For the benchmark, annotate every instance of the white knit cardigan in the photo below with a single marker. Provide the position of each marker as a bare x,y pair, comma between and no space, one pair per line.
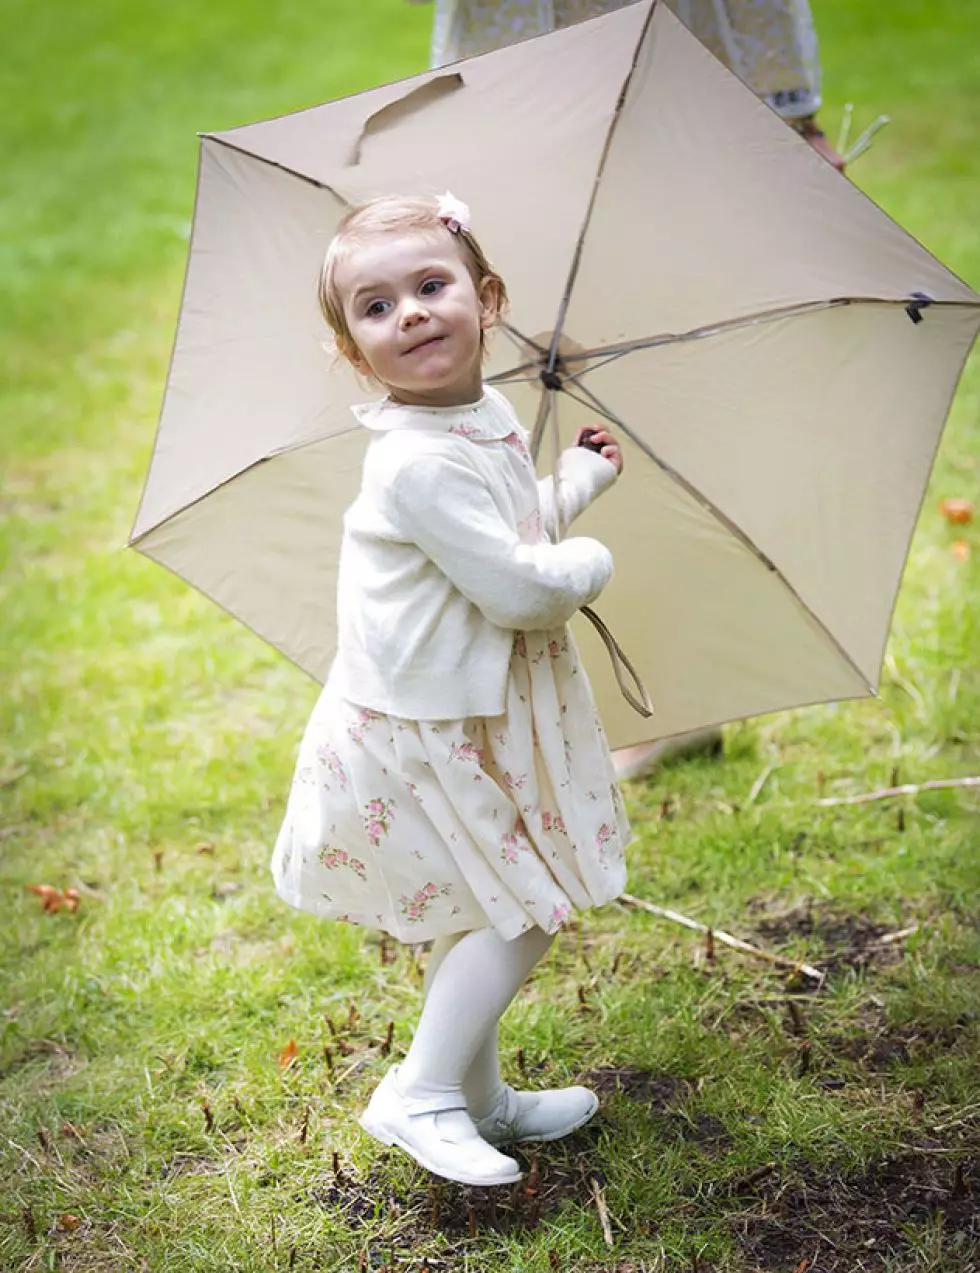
434,577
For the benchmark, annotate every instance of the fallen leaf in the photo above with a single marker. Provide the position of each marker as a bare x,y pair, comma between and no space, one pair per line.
960,549
958,512
53,900
68,1221
288,1055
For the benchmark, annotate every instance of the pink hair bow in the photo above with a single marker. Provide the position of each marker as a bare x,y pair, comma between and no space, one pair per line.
454,213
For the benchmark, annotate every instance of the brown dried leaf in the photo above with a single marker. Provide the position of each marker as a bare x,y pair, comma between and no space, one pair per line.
68,1222
288,1055
958,512
960,549
53,900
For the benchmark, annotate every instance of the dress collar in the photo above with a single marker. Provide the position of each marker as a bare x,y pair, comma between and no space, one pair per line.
489,419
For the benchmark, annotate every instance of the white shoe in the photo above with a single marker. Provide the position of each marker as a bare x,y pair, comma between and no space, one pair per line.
438,1133
545,1115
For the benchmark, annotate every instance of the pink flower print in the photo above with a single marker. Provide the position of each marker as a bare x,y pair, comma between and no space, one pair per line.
520,645
334,858
414,907
466,751
558,647
413,790
560,914
511,847
334,766
529,529
516,443
463,430
377,819
365,719
553,822
514,783
603,836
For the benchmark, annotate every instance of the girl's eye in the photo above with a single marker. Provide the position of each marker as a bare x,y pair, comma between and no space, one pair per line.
431,286
376,308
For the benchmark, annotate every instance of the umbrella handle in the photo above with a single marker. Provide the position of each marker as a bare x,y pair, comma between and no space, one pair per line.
620,660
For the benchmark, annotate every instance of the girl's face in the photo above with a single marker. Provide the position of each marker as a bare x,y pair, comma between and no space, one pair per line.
416,317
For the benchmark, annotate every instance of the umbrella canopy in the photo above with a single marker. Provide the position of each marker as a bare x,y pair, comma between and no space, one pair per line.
778,355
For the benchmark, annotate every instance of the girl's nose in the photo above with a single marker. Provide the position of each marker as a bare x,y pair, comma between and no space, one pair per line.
413,313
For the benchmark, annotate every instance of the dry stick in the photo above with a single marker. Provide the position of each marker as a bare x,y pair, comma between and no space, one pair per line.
719,934
759,783
889,939
907,789
603,1210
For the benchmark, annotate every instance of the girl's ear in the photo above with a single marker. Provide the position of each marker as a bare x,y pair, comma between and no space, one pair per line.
350,351
490,299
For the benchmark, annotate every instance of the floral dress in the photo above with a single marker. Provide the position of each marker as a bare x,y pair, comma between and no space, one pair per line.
426,828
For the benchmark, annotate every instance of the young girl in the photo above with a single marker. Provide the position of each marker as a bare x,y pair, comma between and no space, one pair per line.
453,782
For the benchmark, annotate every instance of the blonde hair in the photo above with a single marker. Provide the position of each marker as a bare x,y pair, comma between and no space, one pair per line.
395,214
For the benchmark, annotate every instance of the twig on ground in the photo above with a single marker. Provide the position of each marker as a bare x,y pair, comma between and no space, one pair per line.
906,789
759,783
719,934
600,1206
889,939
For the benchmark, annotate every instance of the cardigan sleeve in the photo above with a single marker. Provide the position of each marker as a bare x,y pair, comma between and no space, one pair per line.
582,477
444,507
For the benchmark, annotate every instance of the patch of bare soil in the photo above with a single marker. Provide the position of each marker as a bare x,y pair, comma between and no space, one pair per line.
460,1211
666,1097
901,1209
837,940
880,1046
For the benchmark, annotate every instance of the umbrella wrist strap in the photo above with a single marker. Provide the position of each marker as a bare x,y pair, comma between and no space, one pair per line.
620,661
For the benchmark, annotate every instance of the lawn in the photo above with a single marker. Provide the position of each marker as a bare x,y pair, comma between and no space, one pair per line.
181,1058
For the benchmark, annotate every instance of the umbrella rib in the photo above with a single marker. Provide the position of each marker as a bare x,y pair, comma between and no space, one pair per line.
501,377
504,379
609,353
135,540
271,163
726,521
607,146
520,340
594,405
540,421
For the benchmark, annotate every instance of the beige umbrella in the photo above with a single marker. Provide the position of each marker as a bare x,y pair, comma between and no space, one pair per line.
777,354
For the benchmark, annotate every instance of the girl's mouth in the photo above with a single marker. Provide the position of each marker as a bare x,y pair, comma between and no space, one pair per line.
423,344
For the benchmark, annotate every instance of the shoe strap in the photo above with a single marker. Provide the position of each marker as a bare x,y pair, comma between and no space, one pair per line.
441,1103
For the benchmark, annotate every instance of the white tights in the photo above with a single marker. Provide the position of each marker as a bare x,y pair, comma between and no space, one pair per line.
469,981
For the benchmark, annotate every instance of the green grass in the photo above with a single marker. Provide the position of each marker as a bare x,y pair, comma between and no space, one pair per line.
146,745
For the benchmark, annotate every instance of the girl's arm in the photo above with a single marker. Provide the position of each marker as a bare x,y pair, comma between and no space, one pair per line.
582,477
444,507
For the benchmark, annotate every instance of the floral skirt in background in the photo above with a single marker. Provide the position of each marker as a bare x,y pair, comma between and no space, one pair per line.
426,828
